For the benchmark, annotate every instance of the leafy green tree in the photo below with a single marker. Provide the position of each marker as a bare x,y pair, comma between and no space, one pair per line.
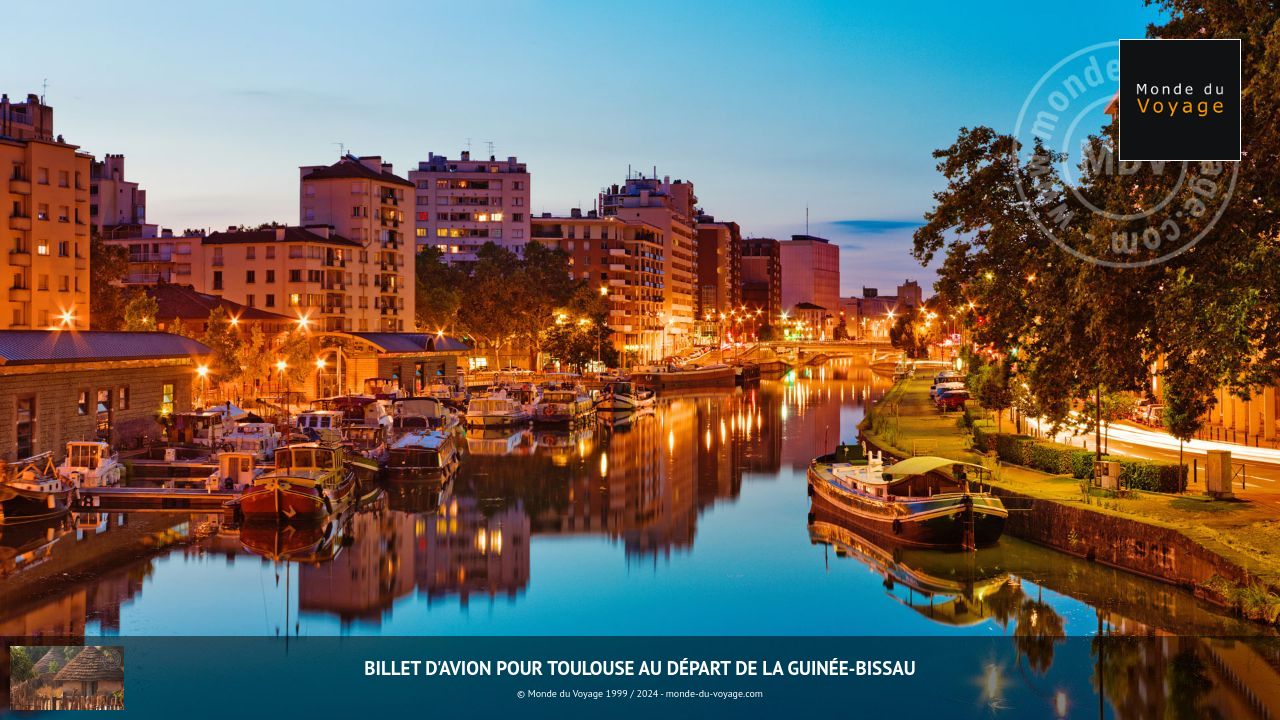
140,310
108,265
990,386
20,663
225,342
438,294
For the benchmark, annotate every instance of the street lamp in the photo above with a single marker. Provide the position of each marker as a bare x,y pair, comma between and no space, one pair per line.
280,368
203,372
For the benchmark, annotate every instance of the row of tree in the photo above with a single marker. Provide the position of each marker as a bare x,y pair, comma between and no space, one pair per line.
1207,318
515,305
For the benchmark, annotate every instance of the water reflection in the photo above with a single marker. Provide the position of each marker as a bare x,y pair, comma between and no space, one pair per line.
638,527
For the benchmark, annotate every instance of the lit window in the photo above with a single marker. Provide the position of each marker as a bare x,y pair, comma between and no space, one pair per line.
295,299
496,217
42,247
442,232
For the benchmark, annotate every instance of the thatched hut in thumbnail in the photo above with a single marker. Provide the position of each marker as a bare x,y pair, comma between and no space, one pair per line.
93,671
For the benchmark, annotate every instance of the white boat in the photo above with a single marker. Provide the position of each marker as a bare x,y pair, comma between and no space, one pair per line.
422,454
621,397
259,439
90,463
563,404
496,408
236,472
315,423
446,392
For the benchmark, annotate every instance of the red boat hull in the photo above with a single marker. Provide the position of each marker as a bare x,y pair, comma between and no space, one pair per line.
288,501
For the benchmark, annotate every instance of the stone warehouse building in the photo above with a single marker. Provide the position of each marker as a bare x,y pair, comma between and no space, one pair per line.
57,386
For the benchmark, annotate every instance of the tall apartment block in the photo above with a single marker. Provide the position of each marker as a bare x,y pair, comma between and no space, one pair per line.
762,277
45,200
624,260
719,267
670,207
117,207
810,273
363,201
463,204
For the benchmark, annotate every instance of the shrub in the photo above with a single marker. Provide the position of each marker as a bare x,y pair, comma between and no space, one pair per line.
1049,457
1150,475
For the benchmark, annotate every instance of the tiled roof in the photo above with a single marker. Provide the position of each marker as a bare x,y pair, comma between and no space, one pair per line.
184,303
411,342
27,347
350,167
266,235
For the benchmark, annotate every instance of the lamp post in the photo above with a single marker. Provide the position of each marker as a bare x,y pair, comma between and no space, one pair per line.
280,368
203,372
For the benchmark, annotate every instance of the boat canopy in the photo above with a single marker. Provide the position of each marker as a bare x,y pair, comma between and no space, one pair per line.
923,465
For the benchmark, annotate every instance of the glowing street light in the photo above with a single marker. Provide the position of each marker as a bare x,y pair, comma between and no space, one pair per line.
67,317
320,363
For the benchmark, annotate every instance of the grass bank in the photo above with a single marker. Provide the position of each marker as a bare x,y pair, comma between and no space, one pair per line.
1227,550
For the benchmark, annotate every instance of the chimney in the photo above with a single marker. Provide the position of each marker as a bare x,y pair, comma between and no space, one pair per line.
466,154
279,234
575,213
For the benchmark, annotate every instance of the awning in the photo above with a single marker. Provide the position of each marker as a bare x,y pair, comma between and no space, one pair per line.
923,465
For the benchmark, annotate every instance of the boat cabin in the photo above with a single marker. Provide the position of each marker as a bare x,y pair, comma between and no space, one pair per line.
320,420
90,463
235,471
258,438
363,438
201,427
309,456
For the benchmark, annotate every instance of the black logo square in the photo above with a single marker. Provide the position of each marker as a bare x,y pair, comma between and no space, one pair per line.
1179,100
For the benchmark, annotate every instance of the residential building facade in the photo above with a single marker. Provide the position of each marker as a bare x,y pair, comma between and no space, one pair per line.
462,204
115,202
624,260
364,202
669,207
719,267
45,200
762,277
810,273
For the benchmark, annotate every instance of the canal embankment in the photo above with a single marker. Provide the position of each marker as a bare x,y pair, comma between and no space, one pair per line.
1227,551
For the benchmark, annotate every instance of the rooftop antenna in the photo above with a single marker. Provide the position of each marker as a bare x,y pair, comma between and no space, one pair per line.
806,219
44,88
468,144
342,149
490,144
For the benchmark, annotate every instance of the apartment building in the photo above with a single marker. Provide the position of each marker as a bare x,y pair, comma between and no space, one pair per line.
623,259
45,200
810,273
669,207
762,277
363,202
719,267
161,257
323,280
117,207
462,204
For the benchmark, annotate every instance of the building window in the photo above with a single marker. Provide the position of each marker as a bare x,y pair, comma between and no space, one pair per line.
249,301
248,276
271,255
122,397
271,274
82,402
217,279
166,399
250,253
271,300
295,276
104,413
26,427
42,247
295,299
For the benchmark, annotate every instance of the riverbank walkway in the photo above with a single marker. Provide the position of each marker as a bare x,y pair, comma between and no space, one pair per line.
1244,531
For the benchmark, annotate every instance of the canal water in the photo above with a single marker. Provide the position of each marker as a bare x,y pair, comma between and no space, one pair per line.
692,520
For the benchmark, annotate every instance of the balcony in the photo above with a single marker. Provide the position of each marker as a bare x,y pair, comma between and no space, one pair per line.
19,258
19,222
147,278
145,257
18,186
19,294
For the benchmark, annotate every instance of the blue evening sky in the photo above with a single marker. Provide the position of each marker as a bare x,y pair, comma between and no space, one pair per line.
768,107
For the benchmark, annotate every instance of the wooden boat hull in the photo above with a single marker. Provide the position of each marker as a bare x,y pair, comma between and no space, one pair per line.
497,420
276,497
939,522
19,505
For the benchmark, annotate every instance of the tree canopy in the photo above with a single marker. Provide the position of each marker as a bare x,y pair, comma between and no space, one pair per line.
1203,319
